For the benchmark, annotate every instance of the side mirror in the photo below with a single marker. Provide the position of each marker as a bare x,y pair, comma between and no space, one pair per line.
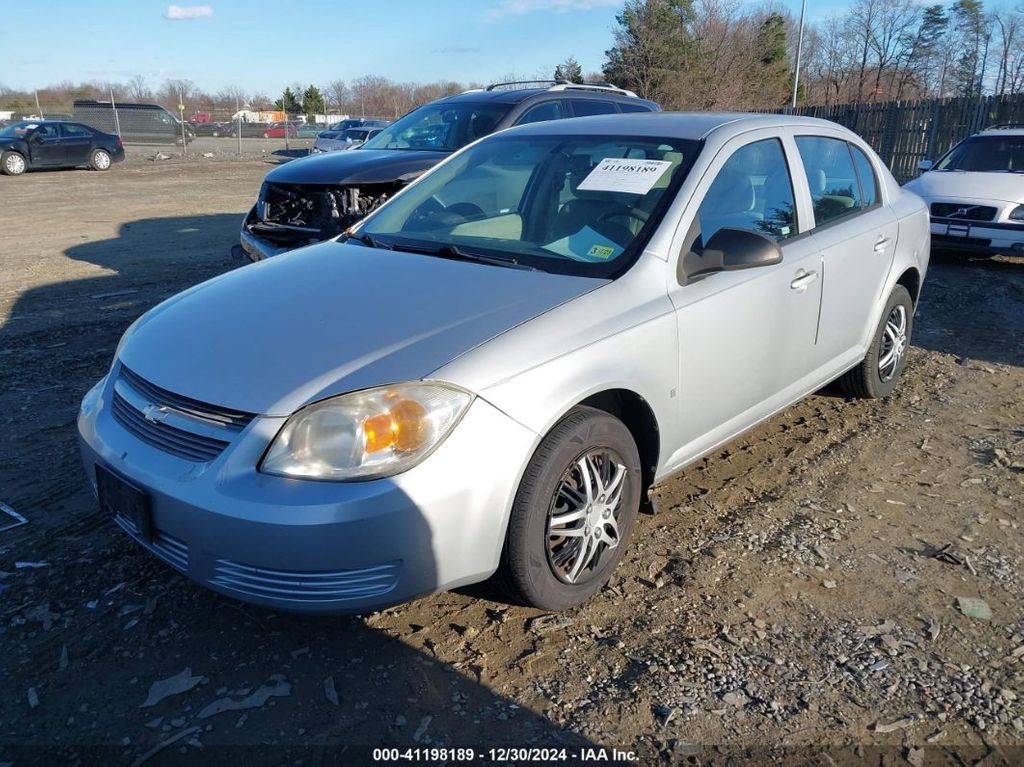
729,250
36,138
925,165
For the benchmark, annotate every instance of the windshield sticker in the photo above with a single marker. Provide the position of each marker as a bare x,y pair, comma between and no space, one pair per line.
586,245
629,176
30,126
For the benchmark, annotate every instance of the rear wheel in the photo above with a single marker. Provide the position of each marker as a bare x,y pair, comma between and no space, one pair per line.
13,163
99,160
573,515
877,374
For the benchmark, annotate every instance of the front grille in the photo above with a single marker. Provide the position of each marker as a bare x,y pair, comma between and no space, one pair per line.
305,587
964,211
173,551
219,416
220,425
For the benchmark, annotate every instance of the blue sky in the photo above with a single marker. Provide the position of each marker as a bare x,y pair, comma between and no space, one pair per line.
266,44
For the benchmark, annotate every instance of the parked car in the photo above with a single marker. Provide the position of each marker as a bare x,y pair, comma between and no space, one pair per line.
280,130
210,129
318,197
32,145
350,138
975,193
135,123
308,130
248,129
492,369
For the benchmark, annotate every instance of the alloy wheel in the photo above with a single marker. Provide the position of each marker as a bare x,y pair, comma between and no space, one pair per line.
102,160
15,164
894,343
583,519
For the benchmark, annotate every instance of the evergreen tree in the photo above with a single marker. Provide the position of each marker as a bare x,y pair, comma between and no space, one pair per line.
569,70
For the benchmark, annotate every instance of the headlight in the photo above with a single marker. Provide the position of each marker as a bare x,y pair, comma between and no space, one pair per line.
367,434
1017,214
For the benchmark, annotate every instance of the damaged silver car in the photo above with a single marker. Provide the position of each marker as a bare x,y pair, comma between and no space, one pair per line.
318,197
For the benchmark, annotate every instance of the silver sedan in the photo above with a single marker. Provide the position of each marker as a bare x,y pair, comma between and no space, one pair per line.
488,374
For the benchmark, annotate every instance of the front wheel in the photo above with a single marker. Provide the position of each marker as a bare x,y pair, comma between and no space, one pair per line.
13,163
99,160
573,515
877,374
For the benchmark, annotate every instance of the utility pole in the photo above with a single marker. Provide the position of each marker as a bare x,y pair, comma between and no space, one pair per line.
799,52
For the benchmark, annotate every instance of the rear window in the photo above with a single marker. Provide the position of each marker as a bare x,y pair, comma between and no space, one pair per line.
587,107
633,106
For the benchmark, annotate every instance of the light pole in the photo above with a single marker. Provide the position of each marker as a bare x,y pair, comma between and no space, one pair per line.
799,52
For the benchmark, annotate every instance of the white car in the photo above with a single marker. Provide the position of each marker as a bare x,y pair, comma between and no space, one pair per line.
975,193
350,138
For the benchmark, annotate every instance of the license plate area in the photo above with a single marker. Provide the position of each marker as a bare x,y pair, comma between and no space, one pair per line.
119,496
958,230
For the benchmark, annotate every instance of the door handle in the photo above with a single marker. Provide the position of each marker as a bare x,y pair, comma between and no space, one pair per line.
881,244
803,280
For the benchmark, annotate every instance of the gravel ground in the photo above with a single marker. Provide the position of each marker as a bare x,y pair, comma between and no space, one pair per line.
843,584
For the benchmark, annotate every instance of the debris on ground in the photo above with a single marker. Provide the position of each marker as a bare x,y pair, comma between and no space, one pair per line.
6,525
175,685
278,688
973,607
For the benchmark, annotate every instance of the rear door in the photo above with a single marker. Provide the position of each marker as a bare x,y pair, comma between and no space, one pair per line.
856,233
746,337
78,141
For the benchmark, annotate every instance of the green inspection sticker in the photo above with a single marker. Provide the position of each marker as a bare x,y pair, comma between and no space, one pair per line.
601,251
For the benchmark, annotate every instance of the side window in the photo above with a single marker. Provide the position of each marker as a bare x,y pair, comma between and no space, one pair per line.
628,106
75,131
866,174
586,107
549,110
835,191
47,131
753,190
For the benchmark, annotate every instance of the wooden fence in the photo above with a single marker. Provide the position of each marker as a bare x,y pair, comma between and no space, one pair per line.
906,132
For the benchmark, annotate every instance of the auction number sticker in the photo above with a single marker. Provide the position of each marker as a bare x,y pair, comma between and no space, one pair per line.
631,176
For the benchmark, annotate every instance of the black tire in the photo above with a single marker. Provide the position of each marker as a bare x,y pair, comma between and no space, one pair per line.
100,159
868,380
527,572
10,165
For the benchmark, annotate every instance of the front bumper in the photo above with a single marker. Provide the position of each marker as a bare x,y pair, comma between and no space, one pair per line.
323,547
985,237
255,248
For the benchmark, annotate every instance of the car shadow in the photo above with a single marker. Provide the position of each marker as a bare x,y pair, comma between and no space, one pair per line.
97,620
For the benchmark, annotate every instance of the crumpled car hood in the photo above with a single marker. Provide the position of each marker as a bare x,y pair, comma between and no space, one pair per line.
362,166
331,318
1005,187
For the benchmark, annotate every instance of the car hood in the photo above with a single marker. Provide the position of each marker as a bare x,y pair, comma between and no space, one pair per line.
331,318
9,142
956,185
367,166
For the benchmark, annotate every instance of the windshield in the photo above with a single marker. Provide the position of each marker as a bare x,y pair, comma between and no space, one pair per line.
569,204
18,129
440,127
986,154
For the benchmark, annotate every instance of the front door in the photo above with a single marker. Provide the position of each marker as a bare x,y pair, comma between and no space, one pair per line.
746,337
46,147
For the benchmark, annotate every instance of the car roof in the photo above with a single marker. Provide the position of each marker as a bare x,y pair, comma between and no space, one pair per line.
518,95
684,125
1001,132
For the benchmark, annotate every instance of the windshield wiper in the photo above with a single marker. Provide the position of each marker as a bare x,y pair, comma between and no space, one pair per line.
456,253
369,240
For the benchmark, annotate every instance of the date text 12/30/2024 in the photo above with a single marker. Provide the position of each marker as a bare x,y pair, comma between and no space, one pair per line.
504,754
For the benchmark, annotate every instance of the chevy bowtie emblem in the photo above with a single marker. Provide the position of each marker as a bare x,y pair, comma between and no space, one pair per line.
155,414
